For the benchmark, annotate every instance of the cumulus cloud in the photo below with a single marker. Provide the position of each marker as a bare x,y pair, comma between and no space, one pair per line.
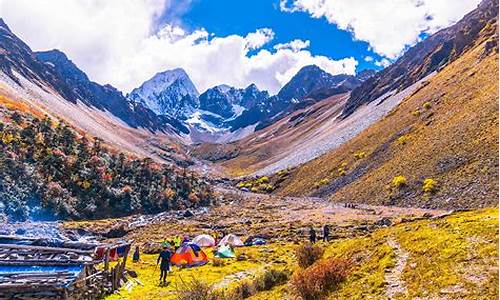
125,42
388,26
368,58
384,62
259,38
295,45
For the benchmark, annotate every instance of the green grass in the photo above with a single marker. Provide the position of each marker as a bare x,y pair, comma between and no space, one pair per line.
455,257
258,257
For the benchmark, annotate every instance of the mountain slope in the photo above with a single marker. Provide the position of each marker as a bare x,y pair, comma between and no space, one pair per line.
48,83
447,131
428,56
309,85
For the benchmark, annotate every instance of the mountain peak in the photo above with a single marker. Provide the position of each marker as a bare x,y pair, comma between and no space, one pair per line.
4,25
310,68
170,92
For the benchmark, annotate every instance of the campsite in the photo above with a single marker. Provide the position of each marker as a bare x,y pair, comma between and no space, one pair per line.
262,150
357,231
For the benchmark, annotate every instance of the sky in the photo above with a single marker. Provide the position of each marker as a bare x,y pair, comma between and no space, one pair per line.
126,42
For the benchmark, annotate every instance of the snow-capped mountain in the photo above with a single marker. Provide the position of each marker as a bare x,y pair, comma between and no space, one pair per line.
223,111
227,101
168,93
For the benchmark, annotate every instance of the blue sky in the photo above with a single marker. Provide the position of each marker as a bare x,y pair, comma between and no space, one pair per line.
223,18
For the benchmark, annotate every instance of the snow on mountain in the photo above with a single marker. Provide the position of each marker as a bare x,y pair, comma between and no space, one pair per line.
229,102
168,93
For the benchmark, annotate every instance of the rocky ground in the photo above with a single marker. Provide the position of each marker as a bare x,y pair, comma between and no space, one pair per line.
247,214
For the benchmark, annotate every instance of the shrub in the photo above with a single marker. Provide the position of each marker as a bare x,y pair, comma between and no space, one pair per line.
416,112
430,185
263,179
269,187
218,262
324,181
427,105
254,190
320,279
283,172
307,254
403,139
195,290
270,278
398,181
342,171
360,155
244,289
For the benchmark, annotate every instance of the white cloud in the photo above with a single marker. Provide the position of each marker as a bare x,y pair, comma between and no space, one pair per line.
259,38
120,42
384,62
368,58
295,45
389,26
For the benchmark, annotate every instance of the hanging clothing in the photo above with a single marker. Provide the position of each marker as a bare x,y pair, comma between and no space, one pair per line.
122,250
99,252
113,255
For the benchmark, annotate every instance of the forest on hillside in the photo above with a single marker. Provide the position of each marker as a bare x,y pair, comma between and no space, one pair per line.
48,170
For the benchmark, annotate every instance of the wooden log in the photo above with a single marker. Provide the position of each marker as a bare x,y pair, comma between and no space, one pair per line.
42,248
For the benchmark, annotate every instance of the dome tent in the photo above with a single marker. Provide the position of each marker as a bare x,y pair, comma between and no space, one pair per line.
189,255
204,240
231,240
224,251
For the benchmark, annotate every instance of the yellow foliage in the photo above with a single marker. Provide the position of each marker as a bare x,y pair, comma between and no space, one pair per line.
430,185
254,190
324,181
39,139
7,138
263,179
403,139
398,181
360,155
427,105
86,184
416,113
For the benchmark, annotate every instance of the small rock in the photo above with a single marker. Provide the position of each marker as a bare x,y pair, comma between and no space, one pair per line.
188,214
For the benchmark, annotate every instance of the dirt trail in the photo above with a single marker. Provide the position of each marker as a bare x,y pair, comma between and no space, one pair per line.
395,284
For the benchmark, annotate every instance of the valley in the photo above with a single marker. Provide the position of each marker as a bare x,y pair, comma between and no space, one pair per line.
380,184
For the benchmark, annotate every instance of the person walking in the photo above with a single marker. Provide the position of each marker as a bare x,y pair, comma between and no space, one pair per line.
326,233
136,256
164,261
312,235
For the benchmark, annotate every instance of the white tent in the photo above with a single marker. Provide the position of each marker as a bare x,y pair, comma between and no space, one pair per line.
231,240
204,240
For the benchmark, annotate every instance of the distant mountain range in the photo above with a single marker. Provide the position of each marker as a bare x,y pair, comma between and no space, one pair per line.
169,101
224,109
52,69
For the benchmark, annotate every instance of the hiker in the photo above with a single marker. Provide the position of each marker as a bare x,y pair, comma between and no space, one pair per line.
164,261
177,242
135,257
326,233
312,235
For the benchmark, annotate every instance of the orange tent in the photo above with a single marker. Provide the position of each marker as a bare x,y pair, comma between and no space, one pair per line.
189,255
